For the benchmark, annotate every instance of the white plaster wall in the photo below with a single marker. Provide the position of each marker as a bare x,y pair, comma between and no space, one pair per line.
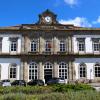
19,45
5,62
88,42
6,42
90,62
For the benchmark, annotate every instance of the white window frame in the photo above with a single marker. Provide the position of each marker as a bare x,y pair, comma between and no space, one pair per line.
14,68
48,65
34,46
81,45
63,70
62,46
33,70
97,70
96,45
82,70
47,43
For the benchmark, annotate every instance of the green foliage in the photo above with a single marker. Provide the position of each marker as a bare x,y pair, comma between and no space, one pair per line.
45,89
79,95
71,87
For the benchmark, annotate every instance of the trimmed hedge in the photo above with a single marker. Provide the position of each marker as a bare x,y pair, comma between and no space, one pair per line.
45,89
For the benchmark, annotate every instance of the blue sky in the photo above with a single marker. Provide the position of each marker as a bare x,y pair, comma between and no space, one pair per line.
84,13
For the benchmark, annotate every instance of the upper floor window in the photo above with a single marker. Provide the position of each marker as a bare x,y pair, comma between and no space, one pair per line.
96,45
81,44
48,46
0,44
62,46
97,70
34,46
13,44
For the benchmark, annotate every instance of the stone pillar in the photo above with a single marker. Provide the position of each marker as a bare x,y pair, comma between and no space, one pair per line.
73,71
69,44
22,44
25,69
21,70
70,71
41,45
55,70
41,71
27,44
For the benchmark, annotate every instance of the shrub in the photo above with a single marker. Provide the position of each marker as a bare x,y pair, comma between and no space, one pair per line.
71,87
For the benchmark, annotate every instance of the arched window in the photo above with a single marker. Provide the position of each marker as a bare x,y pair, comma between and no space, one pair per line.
48,65
13,71
82,70
33,71
97,70
63,70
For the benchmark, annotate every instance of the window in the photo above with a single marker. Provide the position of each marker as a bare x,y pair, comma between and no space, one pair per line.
13,71
81,44
48,65
82,70
34,46
62,46
33,71
48,46
97,70
96,45
13,44
63,70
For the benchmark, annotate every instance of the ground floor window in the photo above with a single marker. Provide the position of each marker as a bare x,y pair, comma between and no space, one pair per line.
82,70
33,71
13,71
63,70
97,70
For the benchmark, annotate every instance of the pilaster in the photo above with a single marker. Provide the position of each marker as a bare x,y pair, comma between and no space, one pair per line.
40,71
69,44
25,71
21,70
70,76
55,70
22,44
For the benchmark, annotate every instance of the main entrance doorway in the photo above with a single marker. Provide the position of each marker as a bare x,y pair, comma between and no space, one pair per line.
47,71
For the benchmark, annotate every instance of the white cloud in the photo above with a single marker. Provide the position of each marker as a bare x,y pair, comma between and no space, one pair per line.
78,21
71,2
97,21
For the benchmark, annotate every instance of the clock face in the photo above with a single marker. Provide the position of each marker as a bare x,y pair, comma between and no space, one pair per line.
48,19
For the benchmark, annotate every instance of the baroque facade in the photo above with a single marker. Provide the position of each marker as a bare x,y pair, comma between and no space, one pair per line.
49,49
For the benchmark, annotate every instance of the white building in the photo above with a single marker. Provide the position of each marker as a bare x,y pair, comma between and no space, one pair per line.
48,49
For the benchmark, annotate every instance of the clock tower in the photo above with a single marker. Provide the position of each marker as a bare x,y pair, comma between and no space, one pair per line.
47,17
